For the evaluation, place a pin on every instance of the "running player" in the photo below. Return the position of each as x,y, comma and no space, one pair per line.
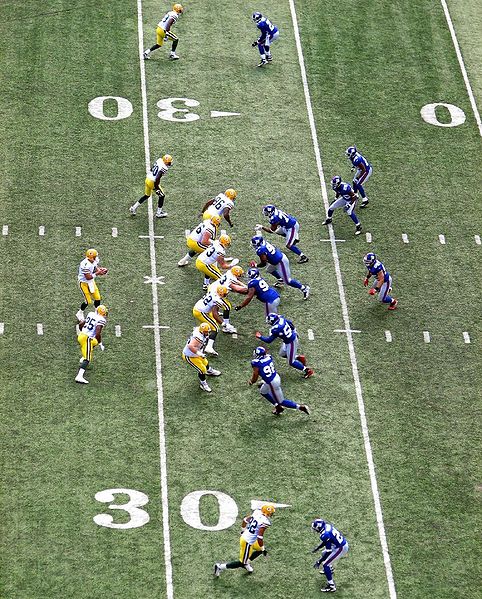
158,170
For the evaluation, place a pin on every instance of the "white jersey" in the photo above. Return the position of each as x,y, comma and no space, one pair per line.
258,520
198,233
225,280
214,251
196,334
207,303
168,20
86,267
219,205
92,321
158,167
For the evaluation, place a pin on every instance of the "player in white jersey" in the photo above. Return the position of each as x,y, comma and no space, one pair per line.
222,205
229,279
200,238
89,269
164,33
207,310
89,336
193,354
251,542
158,170
214,258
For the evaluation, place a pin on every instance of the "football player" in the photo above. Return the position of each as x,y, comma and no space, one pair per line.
207,310
229,279
269,34
382,283
251,542
221,205
276,263
193,354
164,33
89,336
363,171
211,260
284,329
89,269
158,170
345,198
258,287
201,238
270,388
334,546
286,225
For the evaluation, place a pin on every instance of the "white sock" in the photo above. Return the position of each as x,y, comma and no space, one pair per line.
226,321
136,205
210,344
187,257
81,372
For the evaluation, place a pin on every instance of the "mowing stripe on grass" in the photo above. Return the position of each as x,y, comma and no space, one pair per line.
155,314
346,319
462,66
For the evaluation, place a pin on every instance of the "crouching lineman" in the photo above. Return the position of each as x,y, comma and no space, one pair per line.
229,279
258,287
90,335
193,354
207,310
270,389
383,281
251,542
200,238
287,226
158,170
212,259
89,269
221,205
334,546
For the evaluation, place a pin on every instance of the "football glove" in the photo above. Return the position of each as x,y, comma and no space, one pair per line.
365,282
254,44
237,308
258,335
101,345
317,564
252,263
372,291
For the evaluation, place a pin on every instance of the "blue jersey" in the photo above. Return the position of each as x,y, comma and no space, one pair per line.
267,28
266,368
284,329
344,190
332,538
263,291
360,161
272,253
282,219
376,267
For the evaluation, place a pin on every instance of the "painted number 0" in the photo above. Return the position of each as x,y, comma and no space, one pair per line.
168,111
137,499
429,114
228,510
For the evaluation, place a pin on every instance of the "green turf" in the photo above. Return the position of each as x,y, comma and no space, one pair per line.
61,168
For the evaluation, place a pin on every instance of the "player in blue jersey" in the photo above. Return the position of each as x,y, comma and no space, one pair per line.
334,546
259,288
276,263
345,198
268,34
363,171
284,329
382,283
270,388
286,225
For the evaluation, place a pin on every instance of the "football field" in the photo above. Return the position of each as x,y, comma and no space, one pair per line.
134,485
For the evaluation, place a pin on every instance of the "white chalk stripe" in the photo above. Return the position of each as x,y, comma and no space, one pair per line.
405,238
78,231
151,236
5,230
40,328
186,233
311,335
118,331
41,230
368,237
234,336
466,337
335,240
441,238
426,336
2,328
115,232
477,239
151,326
388,336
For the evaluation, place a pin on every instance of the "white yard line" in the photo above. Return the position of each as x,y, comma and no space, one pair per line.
368,237
477,239
118,331
41,230
78,231
40,328
311,335
388,336
426,336
157,336
441,238
2,328
5,230
462,66
466,337
405,238
346,319
115,232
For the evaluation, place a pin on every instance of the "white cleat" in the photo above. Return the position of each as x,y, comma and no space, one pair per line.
80,379
183,262
249,568
161,214
306,291
213,372
205,387
217,570
80,315
211,351
173,56
146,54
228,328
132,210
262,63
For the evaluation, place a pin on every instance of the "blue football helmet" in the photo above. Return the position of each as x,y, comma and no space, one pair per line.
351,151
257,16
259,352
269,209
253,273
318,525
336,182
369,258
272,318
257,241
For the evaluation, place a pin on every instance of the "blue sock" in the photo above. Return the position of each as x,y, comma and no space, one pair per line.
276,275
287,403
269,397
388,299
294,283
354,218
297,364
328,573
296,250
361,190
261,50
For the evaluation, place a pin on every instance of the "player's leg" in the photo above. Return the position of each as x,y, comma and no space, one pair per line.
328,560
269,41
262,53
227,327
194,249
286,274
160,33
361,179
350,210
200,365
385,297
339,203
272,307
96,296
148,189
84,288
161,196
175,42
272,269
293,359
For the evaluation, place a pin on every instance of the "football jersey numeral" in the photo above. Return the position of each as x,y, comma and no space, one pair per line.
263,285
